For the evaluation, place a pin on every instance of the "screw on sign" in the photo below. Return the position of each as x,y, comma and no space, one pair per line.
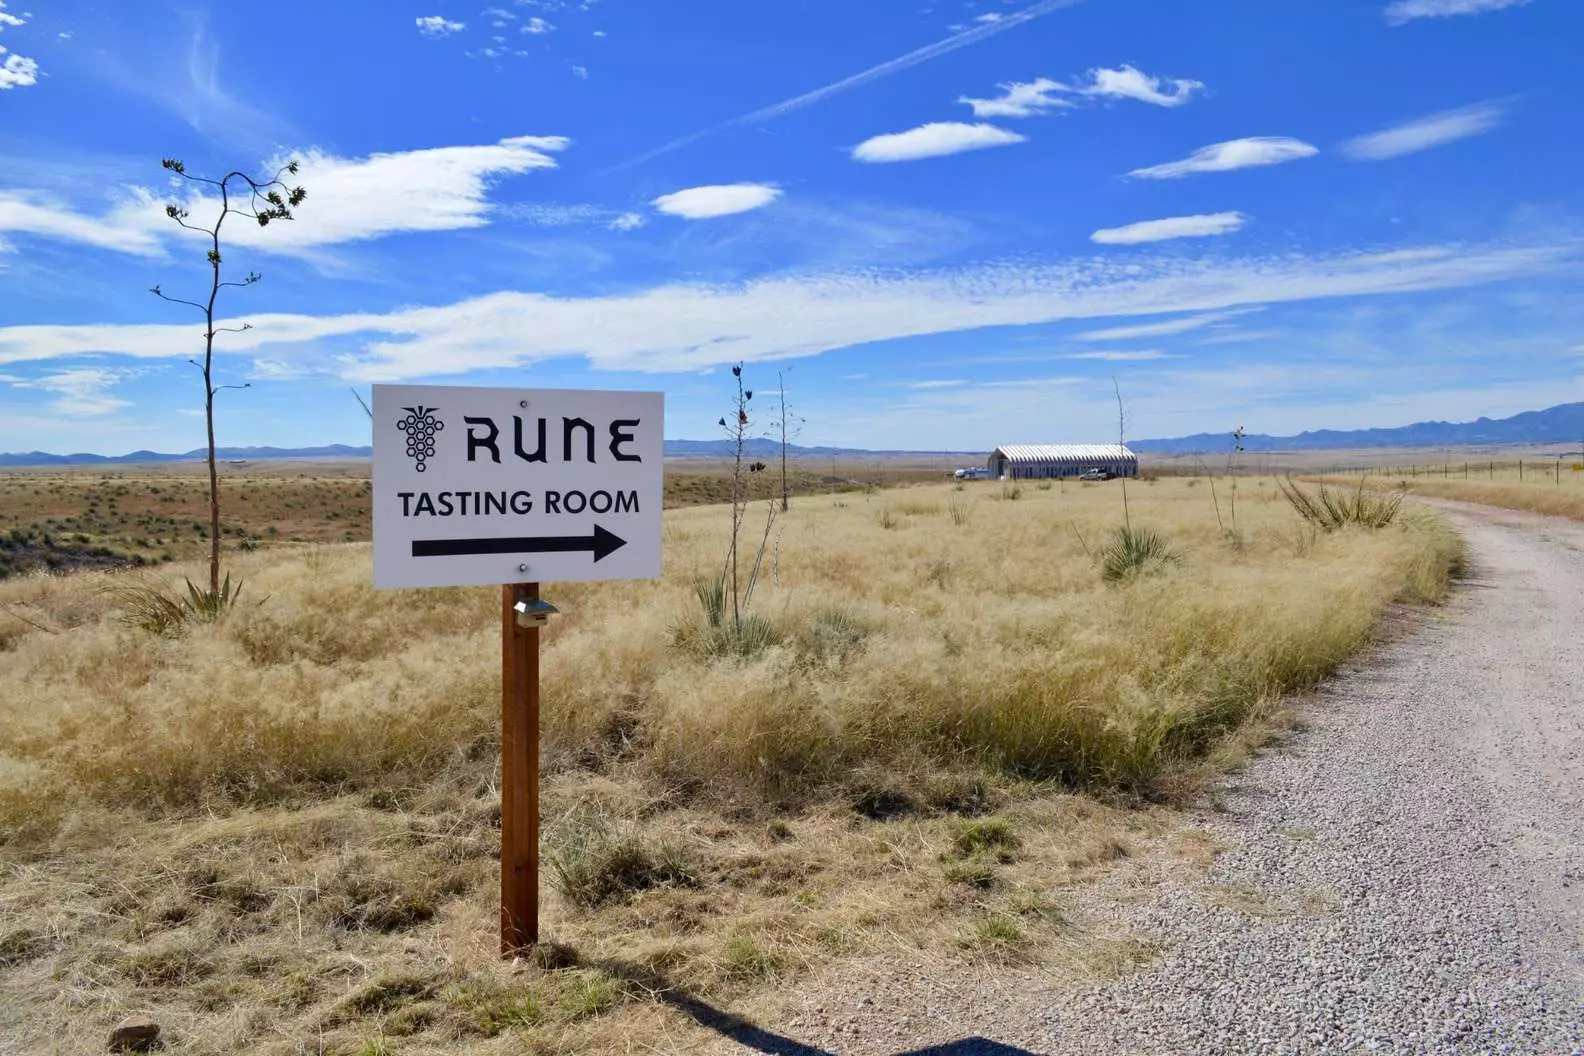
420,425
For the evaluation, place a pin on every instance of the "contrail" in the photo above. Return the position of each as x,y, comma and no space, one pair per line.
873,73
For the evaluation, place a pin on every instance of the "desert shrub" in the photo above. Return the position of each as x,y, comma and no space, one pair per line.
830,636
1330,510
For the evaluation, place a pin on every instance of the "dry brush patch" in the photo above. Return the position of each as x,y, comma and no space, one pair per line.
278,830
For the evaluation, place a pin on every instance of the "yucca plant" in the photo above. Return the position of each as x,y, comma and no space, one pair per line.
151,608
1133,551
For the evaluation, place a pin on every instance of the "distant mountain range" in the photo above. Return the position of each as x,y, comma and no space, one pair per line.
756,449
1563,424
40,458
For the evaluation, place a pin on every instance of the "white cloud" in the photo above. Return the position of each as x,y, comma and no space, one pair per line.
349,200
1021,99
1129,83
1400,11
499,13
1170,326
933,140
17,71
628,222
989,17
1141,355
1027,99
948,383
1233,154
580,72
81,392
703,203
1423,133
1198,226
682,327
438,26
600,33
537,26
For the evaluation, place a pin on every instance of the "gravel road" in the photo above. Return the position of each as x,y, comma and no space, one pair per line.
1408,877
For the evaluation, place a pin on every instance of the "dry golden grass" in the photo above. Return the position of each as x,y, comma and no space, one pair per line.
277,832
1545,486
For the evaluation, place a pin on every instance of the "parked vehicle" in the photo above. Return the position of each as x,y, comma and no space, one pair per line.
1096,474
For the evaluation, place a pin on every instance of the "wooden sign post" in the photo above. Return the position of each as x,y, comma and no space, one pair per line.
514,488
519,860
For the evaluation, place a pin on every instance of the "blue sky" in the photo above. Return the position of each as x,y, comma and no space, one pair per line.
950,222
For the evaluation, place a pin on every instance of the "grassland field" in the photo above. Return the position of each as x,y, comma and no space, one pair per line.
1549,486
276,832
81,517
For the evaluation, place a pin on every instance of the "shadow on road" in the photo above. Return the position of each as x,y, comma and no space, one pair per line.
752,1036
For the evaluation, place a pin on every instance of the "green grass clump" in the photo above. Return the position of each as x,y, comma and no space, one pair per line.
993,837
594,866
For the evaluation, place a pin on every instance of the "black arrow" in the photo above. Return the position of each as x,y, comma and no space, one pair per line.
602,544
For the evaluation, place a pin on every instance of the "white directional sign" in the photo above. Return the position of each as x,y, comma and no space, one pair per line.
477,486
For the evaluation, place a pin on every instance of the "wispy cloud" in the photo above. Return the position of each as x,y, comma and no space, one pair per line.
537,27
1199,226
1142,355
350,200
1448,126
1028,383
704,203
81,392
1162,329
438,26
934,140
944,383
913,58
1401,11
628,222
681,327
1233,154
8,20
1030,98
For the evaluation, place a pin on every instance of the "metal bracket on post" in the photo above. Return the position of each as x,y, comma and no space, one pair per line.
534,612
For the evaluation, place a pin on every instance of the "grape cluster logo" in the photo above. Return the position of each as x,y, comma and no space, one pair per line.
420,425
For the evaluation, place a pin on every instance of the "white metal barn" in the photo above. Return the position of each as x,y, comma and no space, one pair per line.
1049,461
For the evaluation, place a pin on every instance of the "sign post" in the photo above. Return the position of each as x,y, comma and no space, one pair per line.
519,917
512,487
